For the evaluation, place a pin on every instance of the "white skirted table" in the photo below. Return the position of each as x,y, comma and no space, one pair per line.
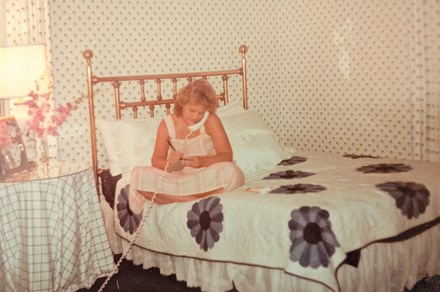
52,235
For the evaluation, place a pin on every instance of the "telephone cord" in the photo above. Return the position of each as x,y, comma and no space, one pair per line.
146,211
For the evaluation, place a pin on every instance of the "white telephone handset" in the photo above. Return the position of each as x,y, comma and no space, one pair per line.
200,123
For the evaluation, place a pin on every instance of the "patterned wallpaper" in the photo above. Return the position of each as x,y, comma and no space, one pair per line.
325,75
346,76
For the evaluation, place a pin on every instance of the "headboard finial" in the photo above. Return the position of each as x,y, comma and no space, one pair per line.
243,49
88,54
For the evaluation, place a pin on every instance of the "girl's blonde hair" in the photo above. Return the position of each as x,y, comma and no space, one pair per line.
199,91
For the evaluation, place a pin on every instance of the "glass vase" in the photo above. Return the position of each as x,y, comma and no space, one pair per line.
43,152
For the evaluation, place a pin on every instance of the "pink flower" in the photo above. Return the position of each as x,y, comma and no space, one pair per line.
51,130
45,121
35,126
45,108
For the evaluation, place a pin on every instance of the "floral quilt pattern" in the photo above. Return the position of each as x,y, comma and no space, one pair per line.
205,222
411,198
384,168
288,174
305,216
297,188
127,219
313,242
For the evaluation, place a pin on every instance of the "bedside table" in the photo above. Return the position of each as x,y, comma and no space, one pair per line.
52,235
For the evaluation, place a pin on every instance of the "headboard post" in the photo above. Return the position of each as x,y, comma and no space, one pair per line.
243,49
117,94
88,55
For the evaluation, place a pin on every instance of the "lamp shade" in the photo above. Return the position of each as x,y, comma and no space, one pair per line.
20,68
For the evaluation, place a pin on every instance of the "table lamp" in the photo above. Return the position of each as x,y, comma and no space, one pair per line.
21,67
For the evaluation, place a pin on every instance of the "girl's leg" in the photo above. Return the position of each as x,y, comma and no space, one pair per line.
167,199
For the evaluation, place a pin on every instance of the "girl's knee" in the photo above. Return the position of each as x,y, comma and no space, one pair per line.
235,176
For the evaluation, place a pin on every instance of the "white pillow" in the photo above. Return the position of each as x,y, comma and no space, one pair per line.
234,107
248,119
128,143
256,149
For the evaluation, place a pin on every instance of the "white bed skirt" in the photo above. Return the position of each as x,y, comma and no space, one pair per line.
382,266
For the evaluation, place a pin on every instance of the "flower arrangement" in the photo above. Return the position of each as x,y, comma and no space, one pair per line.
45,121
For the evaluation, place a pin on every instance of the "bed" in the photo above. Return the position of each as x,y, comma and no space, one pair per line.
303,221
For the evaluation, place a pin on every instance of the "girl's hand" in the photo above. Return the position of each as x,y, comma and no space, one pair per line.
175,161
175,166
174,156
193,161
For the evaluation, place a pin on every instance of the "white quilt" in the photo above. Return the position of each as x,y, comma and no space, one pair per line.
303,217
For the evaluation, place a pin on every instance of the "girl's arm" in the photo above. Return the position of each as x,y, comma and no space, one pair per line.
161,148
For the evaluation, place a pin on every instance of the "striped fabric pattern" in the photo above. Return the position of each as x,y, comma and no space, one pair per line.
188,181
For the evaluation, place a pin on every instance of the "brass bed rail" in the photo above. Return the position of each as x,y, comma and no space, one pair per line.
121,105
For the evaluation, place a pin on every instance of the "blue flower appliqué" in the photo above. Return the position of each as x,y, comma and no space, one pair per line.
385,168
205,222
313,241
128,220
288,174
298,188
411,198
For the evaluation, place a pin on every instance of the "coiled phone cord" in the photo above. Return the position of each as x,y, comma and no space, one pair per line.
146,211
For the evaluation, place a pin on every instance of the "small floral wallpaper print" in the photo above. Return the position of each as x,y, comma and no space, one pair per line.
298,189
385,168
411,198
313,241
205,222
128,220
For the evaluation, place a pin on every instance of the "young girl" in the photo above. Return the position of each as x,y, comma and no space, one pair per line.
187,164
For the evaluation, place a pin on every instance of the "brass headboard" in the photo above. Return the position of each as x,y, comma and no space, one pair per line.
120,105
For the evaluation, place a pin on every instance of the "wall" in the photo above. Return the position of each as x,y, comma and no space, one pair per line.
2,42
347,78
2,23
325,75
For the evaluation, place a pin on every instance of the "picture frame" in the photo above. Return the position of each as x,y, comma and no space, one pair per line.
13,156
